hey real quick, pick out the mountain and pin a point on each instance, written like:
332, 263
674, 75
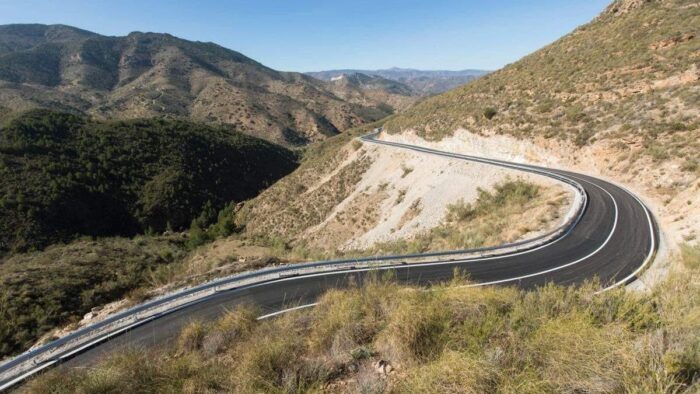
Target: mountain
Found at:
66, 175
627, 82
372, 90
158, 75
617, 97
420, 81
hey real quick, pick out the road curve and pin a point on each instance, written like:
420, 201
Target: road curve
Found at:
613, 240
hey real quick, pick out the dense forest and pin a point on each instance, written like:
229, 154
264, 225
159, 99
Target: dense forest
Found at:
65, 176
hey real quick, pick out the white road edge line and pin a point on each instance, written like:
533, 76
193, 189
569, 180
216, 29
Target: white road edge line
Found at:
612, 231
652, 247
296, 308
384, 268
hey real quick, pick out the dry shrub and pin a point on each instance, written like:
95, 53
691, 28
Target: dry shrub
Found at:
453, 372
679, 308
273, 359
191, 337
368, 381
478, 315
415, 331
346, 319
235, 326
573, 355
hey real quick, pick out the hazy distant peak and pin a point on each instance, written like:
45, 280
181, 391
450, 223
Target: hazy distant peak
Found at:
420, 81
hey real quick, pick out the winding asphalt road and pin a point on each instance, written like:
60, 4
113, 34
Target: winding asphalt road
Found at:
613, 240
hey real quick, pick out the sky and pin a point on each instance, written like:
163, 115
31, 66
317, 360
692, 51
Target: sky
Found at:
314, 35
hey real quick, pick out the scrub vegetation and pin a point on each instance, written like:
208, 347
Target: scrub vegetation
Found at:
42, 290
449, 339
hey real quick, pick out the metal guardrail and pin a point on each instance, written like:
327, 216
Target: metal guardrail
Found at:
26, 364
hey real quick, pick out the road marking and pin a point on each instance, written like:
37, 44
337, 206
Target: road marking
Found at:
652, 247
296, 308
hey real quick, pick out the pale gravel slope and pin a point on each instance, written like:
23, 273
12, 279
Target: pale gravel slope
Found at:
429, 182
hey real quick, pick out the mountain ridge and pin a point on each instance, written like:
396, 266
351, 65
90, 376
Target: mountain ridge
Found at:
156, 74
425, 82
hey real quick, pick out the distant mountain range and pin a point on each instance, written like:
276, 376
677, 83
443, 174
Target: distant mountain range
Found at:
420, 81
158, 75
374, 90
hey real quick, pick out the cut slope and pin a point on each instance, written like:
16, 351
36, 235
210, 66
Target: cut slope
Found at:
347, 197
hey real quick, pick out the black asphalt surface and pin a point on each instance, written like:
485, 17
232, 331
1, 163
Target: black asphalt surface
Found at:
612, 240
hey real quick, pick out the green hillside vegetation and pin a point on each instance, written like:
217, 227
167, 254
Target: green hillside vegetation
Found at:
629, 77
65, 176
450, 339
40, 291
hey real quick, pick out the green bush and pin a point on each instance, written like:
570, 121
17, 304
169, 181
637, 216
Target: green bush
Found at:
489, 113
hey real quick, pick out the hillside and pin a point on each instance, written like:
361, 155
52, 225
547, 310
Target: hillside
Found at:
423, 82
40, 291
617, 97
65, 176
155, 75
625, 75
373, 90
353, 198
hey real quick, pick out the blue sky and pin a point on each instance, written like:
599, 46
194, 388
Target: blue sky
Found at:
310, 35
